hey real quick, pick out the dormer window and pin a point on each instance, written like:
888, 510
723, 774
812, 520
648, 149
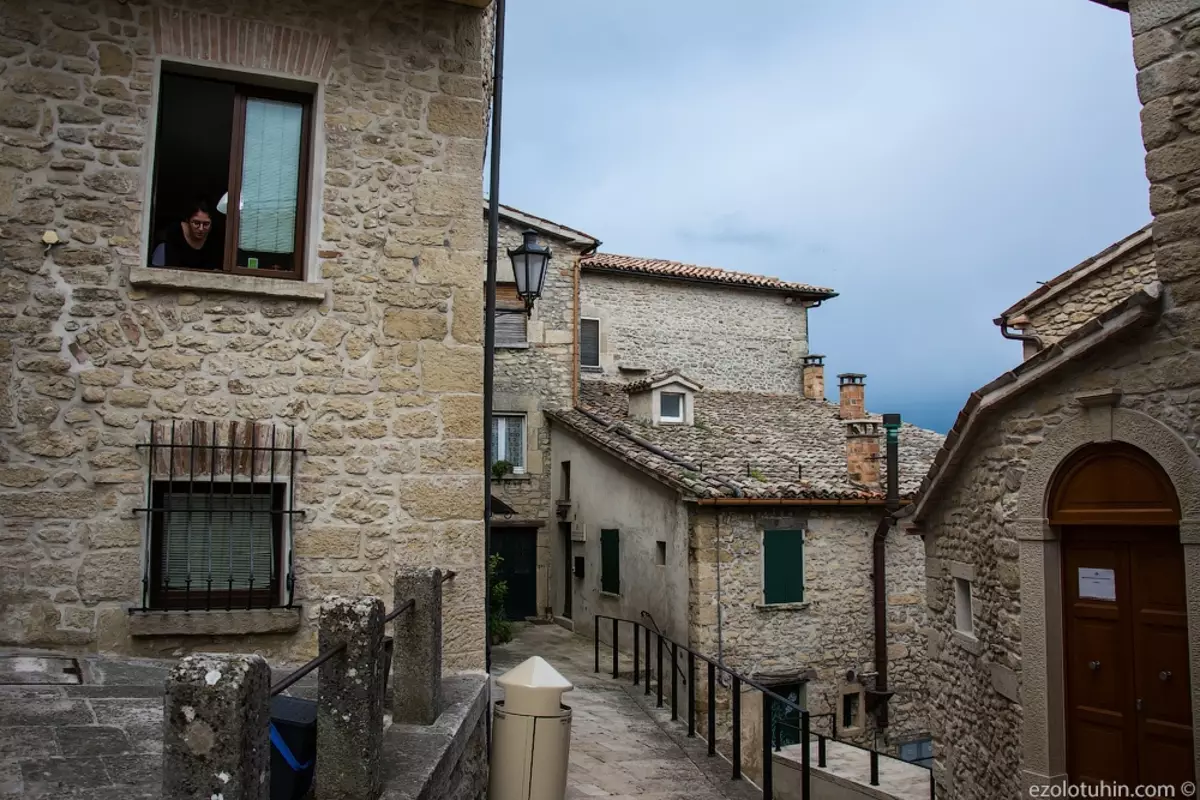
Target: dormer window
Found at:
670, 406
667, 399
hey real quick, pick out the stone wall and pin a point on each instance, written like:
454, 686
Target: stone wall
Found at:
1094, 294
831, 631
376, 357
534, 378
972, 532
723, 337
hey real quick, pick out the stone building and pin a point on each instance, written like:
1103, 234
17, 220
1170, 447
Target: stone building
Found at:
312, 390
740, 523
728, 330
1060, 520
535, 372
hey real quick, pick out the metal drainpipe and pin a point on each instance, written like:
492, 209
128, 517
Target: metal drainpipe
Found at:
489, 326
1033, 338
891, 424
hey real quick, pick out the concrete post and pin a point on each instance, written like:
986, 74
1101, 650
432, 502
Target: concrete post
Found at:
417, 659
215, 728
350, 700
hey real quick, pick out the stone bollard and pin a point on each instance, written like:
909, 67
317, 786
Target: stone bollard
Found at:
215, 728
350, 700
417, 655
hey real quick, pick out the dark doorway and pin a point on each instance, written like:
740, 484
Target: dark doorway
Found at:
517, 548
568, 588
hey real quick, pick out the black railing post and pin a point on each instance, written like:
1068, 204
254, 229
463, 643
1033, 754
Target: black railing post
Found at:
596, 642
874, 767
637, 660
736, 699
805, 766
691, 683
820, 750
778, 743
647, 684
712, 709
659, 681
674, 681
614, 646
767, 778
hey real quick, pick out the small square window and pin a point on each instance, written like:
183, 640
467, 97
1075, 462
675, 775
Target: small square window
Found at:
661, 554
963, 619
508, 441
670, 407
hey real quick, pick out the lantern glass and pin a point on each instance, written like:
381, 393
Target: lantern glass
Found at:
530, 262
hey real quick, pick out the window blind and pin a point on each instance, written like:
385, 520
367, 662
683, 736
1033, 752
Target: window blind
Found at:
510, 327
218, 536
589, 342
270, 176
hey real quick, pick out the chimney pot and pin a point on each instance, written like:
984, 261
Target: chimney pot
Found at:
852, 391
812, 377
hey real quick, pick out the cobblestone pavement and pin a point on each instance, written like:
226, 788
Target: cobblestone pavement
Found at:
619, 748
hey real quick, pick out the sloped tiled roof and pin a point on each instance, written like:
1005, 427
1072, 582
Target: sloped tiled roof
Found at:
764, 445
646, 383
661, 268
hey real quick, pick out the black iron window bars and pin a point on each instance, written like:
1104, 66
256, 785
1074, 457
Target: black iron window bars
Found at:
219, 502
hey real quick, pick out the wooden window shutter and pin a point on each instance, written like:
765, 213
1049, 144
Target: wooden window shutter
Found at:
507, 297
589, 342
783, 566
610, 561
510, 327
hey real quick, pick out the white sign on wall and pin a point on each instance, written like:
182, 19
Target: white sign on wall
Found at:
1097, 584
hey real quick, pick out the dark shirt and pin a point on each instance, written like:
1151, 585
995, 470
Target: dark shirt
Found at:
178, 253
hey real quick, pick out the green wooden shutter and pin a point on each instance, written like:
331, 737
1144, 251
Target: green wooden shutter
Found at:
610, 561
783, 566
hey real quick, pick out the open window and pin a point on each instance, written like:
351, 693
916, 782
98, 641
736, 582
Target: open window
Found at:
231, 174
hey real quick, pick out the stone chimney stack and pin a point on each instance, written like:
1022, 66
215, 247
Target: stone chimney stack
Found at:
812, 376
852, 391
862, 450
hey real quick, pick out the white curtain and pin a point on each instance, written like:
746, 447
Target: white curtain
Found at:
270, 176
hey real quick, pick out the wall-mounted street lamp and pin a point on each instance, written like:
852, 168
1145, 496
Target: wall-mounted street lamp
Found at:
529, 263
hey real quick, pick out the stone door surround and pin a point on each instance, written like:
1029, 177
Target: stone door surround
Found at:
1043, 735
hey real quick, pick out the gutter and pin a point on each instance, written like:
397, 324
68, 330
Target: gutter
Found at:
794, 501
880, 694
804, 295
1032, 338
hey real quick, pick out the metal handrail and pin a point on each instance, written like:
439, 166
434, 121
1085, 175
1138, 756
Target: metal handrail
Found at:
769, 725
293, 678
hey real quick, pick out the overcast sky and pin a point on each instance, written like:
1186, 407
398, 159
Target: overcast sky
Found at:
929, 160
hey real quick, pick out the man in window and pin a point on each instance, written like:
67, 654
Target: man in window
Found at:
191, 244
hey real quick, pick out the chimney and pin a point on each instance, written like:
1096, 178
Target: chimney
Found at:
862, 450
852, 390
812, 377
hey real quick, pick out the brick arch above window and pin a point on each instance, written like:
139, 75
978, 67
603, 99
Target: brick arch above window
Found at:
244, 43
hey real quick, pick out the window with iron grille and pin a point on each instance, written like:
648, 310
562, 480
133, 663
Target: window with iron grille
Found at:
218, 532
785, 719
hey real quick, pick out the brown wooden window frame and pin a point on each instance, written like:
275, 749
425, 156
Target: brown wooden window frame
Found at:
200, 596
237, 151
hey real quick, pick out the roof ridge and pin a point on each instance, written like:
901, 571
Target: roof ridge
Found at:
670, 268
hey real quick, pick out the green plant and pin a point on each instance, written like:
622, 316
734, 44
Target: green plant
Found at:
758, 475
501, 468
497, 593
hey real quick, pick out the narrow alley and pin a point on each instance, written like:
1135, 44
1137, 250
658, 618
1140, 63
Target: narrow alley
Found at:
619, 747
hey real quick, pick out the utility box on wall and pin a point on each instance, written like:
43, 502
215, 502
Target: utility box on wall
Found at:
578, 566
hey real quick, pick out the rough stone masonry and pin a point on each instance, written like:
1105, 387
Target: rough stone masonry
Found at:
375, 357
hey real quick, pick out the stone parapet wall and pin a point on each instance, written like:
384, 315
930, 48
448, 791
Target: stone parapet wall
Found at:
724, 337
380, 375
1094, 294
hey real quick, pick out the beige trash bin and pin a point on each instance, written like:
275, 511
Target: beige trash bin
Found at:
531, 734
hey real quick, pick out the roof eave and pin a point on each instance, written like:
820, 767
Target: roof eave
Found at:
811, 293
548, 227
1139, 309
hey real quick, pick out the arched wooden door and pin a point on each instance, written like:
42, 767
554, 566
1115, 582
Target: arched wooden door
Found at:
1128, 693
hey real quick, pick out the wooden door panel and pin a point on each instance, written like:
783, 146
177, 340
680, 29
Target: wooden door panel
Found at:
1161, 660
1097, 752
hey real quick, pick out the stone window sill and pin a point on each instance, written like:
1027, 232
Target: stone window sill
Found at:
768, 607
512, 346
196, 280
214, 623
610, 595
968, 642
586, 368
514, 476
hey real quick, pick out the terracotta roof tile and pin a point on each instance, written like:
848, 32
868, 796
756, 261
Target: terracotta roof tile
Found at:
764, 445
674, 269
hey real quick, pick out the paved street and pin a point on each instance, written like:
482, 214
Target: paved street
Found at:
619, 749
